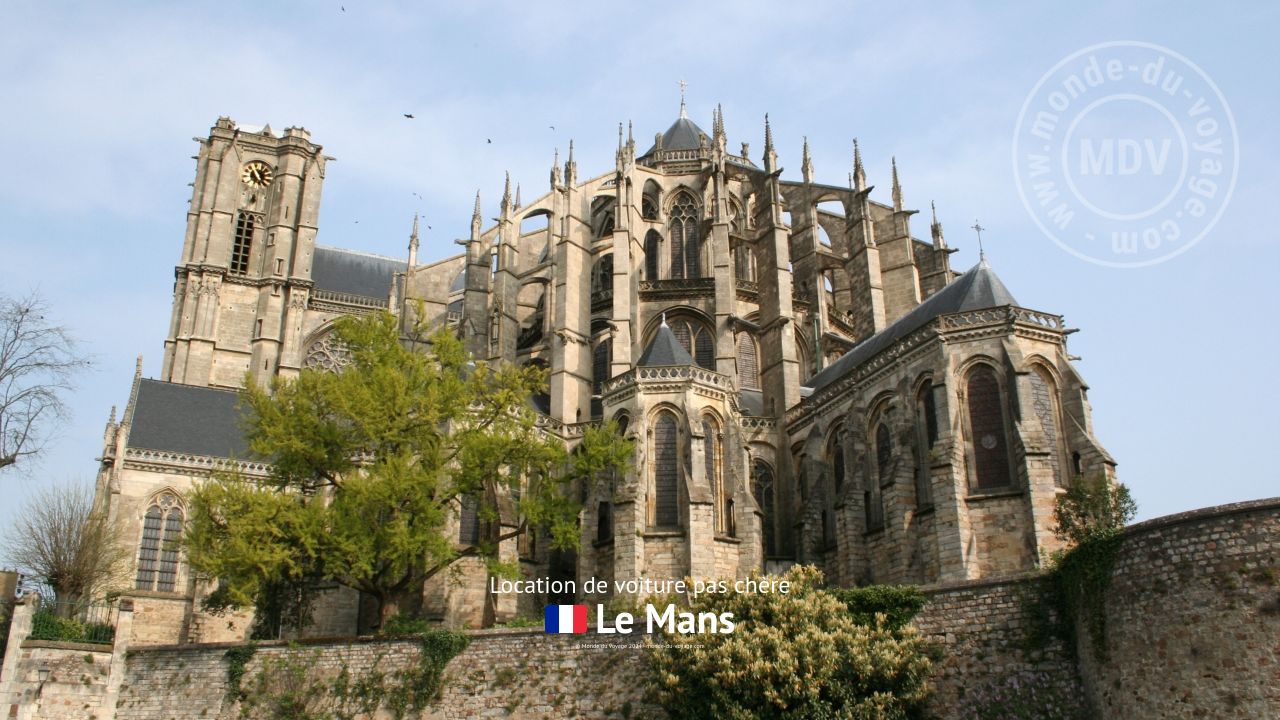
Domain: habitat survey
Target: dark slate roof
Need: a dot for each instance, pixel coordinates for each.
(979, 288)
(682, 135)
(357, 273)
(187, 419)
(751, 402)
(665, 349)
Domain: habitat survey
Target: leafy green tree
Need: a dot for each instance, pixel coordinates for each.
(369, 464)
(796, 655)
(1093, 507)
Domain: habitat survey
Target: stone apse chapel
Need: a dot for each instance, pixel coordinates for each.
(805, 380)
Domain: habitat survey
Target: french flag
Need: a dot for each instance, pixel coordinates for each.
(565, 619)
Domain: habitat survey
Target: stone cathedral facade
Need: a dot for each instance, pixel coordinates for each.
(806, 381)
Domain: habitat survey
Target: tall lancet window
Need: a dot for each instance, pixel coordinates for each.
(601, 356)
(715, 475)
(666, 472)
(686, 246)
(651, 241)
(884, 468)
(748, 362)
(987, 436)
(762, 489)
(242, 244)
(158, 551)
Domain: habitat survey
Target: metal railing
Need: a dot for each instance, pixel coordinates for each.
(74, 621)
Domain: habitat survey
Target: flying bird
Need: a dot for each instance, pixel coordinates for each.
(489, 140)
(409, 115)
(553, 127)
(342, 8)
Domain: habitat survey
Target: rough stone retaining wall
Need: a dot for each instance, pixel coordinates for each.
(502, 673)
(983, 628)
(1193, 618)
(1193, 628)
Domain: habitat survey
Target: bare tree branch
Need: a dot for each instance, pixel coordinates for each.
(38, 361)
(60, 539)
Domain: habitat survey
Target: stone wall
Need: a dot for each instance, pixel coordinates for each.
(984, 628)
(76, 682)
(518, 673)
(1193, 618)
(1193, 622)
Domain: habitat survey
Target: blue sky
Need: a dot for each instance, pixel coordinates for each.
(102, 101)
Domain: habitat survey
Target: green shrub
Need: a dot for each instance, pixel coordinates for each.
(1093, 507)
(794, 655)
(898, 603)
(406, 625)
(45, 625)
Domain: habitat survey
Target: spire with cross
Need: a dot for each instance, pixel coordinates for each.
(683, 113)
(977, 227)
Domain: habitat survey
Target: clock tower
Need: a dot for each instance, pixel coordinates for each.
(244, 278)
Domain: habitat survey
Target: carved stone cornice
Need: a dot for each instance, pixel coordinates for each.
(176, 463)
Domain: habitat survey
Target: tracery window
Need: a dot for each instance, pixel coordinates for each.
(327, 353)
(762, 489)
(987, 434)
(666, 471)
(686, 246)
(695, 338)
(158, 550)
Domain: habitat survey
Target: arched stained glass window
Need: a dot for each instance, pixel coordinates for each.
(651, 242)
(666, 471)
(695, 338)
(762, 489)
(158, 550)
(987, 429)
(686, 246)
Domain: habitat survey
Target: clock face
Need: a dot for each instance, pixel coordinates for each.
(256, 174)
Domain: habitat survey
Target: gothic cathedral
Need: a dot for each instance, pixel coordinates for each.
(805, 380)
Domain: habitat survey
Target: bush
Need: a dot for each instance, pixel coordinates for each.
(898, 603)
(798, 655)
(45, 625)
(406, 625)
(1093, 507)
